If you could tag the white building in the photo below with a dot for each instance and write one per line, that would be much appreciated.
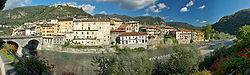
(133, 38)
(132, 26)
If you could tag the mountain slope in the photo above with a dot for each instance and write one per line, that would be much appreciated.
(231, 23)
(149, 20)
(182, 25)
(33, 13)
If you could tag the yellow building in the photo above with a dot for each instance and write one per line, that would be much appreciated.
(66, 27)
(199, 35)
(91, 31)
(48, 31)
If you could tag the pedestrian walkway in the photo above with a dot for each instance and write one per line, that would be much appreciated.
(9, 68)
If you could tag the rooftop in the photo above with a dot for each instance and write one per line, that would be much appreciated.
(133, 33)
(118, 30)
(122, 26)
(169, 27)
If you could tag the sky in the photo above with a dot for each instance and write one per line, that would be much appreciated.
(195, 12)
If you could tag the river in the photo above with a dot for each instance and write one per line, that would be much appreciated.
(80, 63)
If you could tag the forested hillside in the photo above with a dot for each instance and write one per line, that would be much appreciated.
(231, 23)
(182, 25)
(33, 13)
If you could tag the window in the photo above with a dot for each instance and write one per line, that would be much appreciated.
(65, 23)
(76, 32)
(100, 27)
(87, 32)
(93, 33)
(82, 32)
(88, 28)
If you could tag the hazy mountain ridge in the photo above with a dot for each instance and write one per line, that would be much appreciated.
(148, 20)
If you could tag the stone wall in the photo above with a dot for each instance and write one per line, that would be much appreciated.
(132, 46)
(75, 50)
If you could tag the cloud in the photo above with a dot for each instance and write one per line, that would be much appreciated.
(184, 9)
(87, 8)
(156, 9)
(171, 20)
(161, 5)
(103, 12)
(190, 4)
(10, 4)
(28, 1)
(146, 14)
(203, 22)
(203, 6)
(130, 4)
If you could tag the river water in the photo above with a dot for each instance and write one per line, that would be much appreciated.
(80, 63)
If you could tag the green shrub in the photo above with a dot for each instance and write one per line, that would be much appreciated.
(122, 64)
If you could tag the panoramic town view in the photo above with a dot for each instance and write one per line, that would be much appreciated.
(124, 37)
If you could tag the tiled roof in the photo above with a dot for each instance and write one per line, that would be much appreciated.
(151, 36)
(198, 31)
(118, 30)
(133, 33)
(152, 27)
(168, 27)
(122, 26)
(36, 22)
(184, 30)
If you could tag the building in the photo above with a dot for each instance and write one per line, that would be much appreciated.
(133, 39)
(183, 36)
(66, 27)
(48, 31)
(115, 23)
(167, 29)
(91, 31)
(199, 35)
(132, 26)
(59, 39)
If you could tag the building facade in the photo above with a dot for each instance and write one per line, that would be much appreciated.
(133, 38)
(66, 27)
(91, 31)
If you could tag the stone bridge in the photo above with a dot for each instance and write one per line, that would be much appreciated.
(23, 43)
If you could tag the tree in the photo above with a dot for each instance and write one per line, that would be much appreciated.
(2, 4)
(244, 32)
(123, 63)
(208, 30)
(184, 61)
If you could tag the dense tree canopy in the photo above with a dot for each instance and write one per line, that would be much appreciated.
(231, 23)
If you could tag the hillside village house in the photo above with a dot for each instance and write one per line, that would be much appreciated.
(167, 29)
(81, 30)
(49, 28)
(91, 31)
(66, 26)
(183, 36)
(115, 23)
(132, 26)
(153, 32)
(199, 35)
(133, 39)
